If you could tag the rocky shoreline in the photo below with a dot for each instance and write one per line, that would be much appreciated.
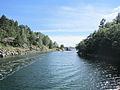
(8, 53)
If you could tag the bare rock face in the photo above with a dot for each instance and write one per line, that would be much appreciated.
(5, 53)
(25, 46)
(9, 39)
(2, 53)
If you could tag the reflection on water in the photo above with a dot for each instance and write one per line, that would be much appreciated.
(66, 71)
(9, 65)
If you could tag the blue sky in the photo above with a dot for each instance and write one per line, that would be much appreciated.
(65, 21)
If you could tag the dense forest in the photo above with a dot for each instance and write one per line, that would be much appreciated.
(105, 41)
(15, 35)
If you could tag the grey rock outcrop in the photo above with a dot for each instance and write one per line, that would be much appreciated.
(5, 53)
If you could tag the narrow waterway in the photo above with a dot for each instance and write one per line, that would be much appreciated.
(60, 71)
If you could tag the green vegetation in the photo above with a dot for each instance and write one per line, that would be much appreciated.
(13, 35)
(61, 46)
(105, 41)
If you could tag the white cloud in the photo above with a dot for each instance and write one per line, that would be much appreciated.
(110, 16)
(117, 9)
(67, 30)
(65, 24)
(77, 19)
(114, 12)
(68, 40)
(66, 8)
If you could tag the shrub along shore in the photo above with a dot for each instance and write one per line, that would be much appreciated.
(18, 39)
(105, 42)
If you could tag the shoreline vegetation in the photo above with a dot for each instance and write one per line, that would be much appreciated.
(10, 53)
(16, 51)
(103, 43)
(18, 39)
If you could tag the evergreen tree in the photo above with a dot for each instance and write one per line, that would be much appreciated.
(102, 23)
(51, 44)
(118, 18)
(22, 35)
(46, 40)
(104, 41)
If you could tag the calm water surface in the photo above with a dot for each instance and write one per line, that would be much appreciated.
(60, 71)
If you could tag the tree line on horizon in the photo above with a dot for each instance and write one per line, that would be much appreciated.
(104, 41)
(11, 33)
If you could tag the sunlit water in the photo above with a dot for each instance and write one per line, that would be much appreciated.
(59, 71)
